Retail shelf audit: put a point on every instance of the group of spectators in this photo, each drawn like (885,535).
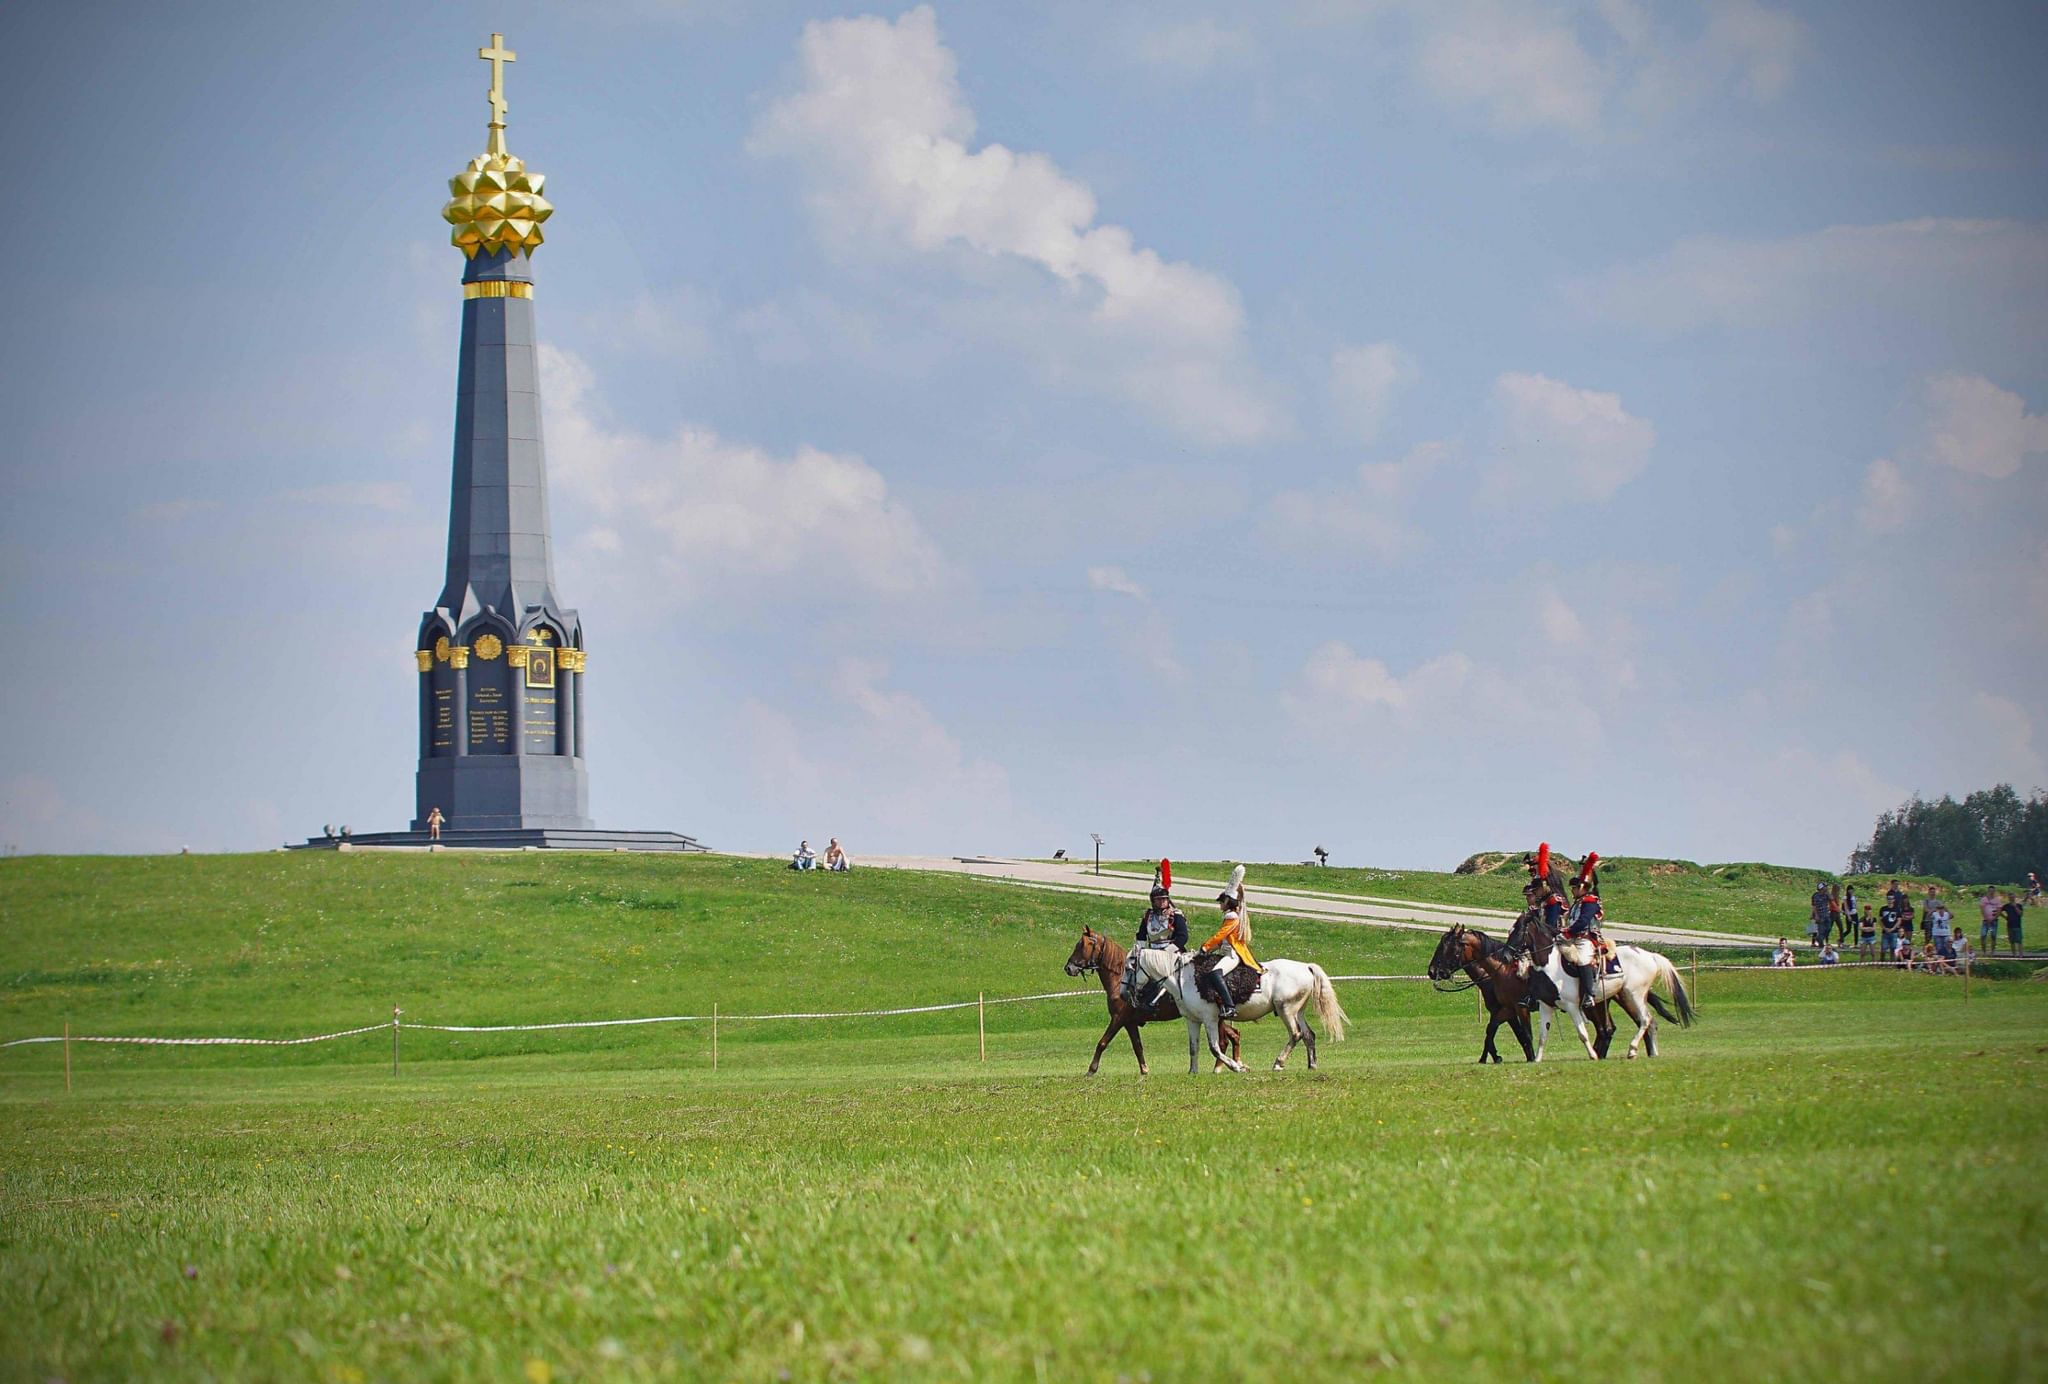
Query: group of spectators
(804,858)
(1886,933)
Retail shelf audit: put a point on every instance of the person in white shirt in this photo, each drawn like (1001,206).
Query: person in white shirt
(1783,955)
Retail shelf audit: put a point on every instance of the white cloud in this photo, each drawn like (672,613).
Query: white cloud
(1114,579)
(882,131)
(1452,707)
(1561,443)
(878,769)
(1363,383)
(1887,500)
(1975,426)
(1372,514)
(1191,47)
(717,514)
(1522,67)
(1140,630)
(1924,268)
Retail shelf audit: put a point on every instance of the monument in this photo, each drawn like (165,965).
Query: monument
(500,659)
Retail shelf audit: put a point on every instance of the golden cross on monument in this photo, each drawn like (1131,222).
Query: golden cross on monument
(497,55)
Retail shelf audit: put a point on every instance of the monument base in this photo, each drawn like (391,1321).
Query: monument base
(511,839)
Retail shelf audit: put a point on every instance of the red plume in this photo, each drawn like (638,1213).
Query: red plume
(1166,875)
(1586,870)
(1543,861)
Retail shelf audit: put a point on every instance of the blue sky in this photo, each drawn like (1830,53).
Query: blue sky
(1414,428)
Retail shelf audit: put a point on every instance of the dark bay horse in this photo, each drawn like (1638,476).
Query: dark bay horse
(1532,938)
(1101,954)
(1501,983)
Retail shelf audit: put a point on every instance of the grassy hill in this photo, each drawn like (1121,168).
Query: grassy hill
(866,1199)
(1765,901)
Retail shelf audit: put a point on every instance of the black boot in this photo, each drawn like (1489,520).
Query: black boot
(1589,986)
(1219,993)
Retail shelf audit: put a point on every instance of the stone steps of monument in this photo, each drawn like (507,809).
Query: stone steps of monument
(511,839)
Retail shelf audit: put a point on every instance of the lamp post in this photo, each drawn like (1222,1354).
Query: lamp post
(1097,838)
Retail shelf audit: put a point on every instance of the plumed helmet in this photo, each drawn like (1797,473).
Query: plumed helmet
(1542,867)
(1162,877)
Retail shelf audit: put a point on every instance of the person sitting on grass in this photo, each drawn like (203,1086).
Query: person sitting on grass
(1783,955)
(803,859)
(1965,953)
(835,858)
(1828,955)
(1933,962)
(1904,956)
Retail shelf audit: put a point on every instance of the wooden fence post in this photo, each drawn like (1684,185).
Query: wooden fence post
(67,1057)
(981,1020)
(714,1036)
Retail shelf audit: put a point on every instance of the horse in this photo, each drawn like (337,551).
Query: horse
(1632,989)
(1285,988)
(1101,954)
(1493,969)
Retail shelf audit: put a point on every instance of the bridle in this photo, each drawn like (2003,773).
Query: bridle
(1090,958)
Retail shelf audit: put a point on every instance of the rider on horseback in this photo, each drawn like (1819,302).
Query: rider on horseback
(1236,932)
(1162,927)
(1584,927)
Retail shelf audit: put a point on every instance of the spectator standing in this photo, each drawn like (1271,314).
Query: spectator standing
(1937,927)
(1890,919)
(1866,935)
(2033,889)
(2015,914)
(1965,953)
(1835,925)
(1849,902)
(1895,896)
(1817,912)
(1906,920)
(434,823)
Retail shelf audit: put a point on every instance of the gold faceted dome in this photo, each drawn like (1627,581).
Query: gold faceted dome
(497,206)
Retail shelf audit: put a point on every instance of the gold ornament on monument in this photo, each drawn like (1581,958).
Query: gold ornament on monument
(497,203)
(488,647)
(441,648)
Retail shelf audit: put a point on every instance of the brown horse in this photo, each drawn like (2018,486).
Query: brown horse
(1500,982)
(1101,954)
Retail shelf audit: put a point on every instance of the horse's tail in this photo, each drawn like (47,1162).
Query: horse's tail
(1670,972)
(1327,1009)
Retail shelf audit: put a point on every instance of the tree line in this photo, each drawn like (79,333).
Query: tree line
(1992,836)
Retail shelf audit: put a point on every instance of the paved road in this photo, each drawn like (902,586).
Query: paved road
(1075,878)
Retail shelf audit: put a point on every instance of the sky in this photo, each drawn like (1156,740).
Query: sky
(1410,428)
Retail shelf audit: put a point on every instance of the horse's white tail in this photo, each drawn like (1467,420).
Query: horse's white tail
(1669,973)
(1327,1009)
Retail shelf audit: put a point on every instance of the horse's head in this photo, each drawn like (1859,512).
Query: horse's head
(1450,953)
(1087,952)
(1529,934)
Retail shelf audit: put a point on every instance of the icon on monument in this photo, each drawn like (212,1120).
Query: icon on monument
(540,667)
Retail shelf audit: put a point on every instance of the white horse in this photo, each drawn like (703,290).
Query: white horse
(1640,970)
(1285,989)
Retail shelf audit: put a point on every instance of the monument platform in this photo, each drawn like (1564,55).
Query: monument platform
(512,839)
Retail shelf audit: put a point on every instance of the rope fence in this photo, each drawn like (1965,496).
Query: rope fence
(981,1003)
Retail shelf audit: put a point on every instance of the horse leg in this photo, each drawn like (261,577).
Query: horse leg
(1578,1014)
(1137,1046)
(1542,1030)
(1216,1046)
(1308,1036)
(1640,1012)
(1487,1049)
(1103,1042)
(1293,1027)
(1194,1026)
(1519,1022)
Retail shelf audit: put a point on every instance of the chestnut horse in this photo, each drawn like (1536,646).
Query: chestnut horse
(1101,954)
(1501,983)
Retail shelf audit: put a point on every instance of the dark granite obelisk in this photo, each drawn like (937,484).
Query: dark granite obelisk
(500,658)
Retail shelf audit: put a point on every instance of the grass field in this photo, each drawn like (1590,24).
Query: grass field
(1765,901)
(1840,1180)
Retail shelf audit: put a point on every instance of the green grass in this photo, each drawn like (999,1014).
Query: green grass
(1840,1180)
(1766,901)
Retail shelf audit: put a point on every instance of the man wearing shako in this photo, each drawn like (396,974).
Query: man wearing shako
(1582,932)
(1545,889)
(1163,927)
(1234,939)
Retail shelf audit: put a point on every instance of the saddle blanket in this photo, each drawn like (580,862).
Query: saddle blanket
(1241,981)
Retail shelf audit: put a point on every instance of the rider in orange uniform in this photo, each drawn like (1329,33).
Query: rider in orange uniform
(1236,933)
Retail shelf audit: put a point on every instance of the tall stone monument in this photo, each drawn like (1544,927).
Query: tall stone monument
(500,658)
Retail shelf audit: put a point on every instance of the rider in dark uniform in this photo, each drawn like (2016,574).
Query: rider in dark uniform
(1584,925)
(1162,926)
